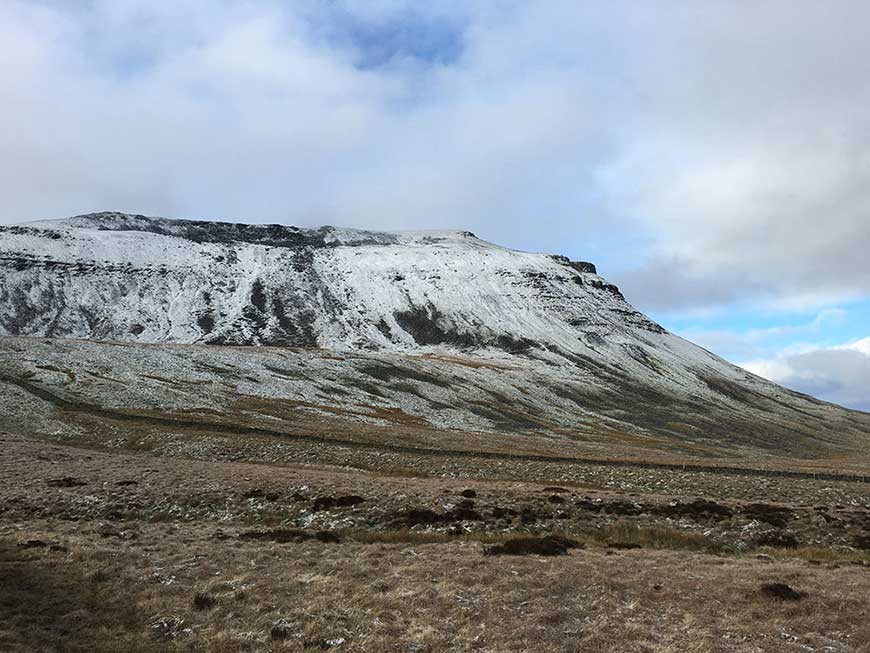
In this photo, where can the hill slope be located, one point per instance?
(453, 332)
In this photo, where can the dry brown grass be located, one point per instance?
(441, 596)
(379, 588)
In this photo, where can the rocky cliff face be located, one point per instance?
(583, 351)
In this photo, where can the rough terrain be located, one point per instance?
(230, 437)
(101, 548)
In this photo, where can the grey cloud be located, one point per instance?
(665, 284)
(731, 140)
(838, 375)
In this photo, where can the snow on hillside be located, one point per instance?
(119, 277)
(169, 280)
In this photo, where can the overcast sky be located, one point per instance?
(713, 158)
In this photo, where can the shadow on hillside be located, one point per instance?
(46, 604)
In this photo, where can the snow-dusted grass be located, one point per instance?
(518, 404)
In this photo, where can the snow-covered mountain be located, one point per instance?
(112, 276)
(119, 277)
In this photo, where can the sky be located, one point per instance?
(712, 158)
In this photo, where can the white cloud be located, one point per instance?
(840, 374)
(861, 346)
(732, 140)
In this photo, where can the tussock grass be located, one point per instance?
(820, 555)
(654, 537)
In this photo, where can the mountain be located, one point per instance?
(455, 333)
(111, 276)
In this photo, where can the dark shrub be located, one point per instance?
(280, 629)
(782, 592)
(349, 500)
(66, 481)
(774, 515)
(203, 601)
(550, 545)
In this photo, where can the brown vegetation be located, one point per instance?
(112, 549)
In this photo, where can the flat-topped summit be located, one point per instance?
(130, 277)
(215, 231)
